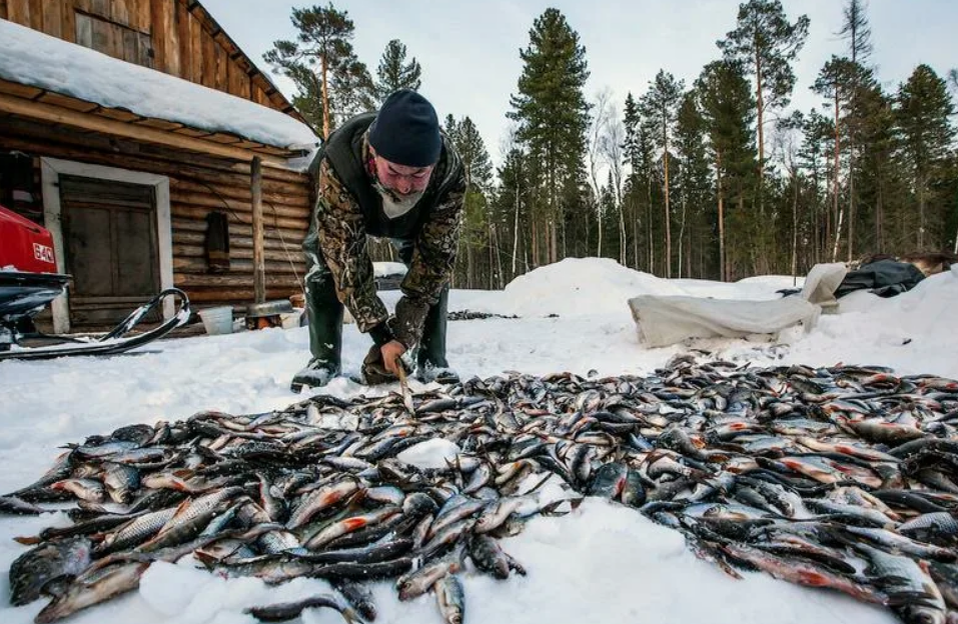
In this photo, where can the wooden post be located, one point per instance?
(259, 262)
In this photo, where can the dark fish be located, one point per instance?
(32, 570)
(291, 610)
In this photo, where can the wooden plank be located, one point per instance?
(55, 114)
(101, 8)
(68, 24)
(19, 90)
(18, 12)
(145, 18)
(282, 198)
(55, 99)
(222, 83)
(3, 9)
(184, 40)
(159, 20)
(193, 132)
(131, 46)
(119, 114)
(240, 206)
(244, 90)
(237, 268)
(133, 10)
(53, 19)
(120, 12)
(196, 51)
(144, 48)
(209, 61)
(102, 35)
(259, 96)
(84, 30)
(36, 15)
(173, 39)
(224, 138)
(197, 236)
(160, 124)
(194, 212)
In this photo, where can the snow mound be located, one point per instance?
(581, 286)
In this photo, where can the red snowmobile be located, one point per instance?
(29, 281)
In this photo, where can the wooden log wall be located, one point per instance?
(177, 37)
(198, 185)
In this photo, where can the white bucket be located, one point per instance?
(218, 320)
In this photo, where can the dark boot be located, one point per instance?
(325, 314)
(431, 359)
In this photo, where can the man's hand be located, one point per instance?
(381, 364)
(391, 352)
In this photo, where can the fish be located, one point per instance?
(838, 477)
(282, 612)
(34, 569)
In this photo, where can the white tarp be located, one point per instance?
(34, 58)
(665, 320)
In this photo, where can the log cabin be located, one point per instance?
(155, 151)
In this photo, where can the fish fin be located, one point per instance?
(28, 541)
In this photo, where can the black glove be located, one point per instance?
(374, 369)
(406, 326)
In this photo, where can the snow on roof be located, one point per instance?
(33, 58)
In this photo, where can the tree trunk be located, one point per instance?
(668, 216)
(838, 213)
(921, 211)
(515, 233)
(795, 225)
(325, 71)
(681, 234)
(635, 236)
(879, 214)
(649, 227)
(723, 269)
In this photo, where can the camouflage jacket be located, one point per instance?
(344, 217)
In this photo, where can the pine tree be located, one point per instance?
(835, 81)
(478, 231)
(729, 112)
(857, 32)
(324, 40)
(659, 106)
(395, 73)
(924, 108)
(766, 43)
(553, 115)
(693, 178)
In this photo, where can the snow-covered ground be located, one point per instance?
(603, 563)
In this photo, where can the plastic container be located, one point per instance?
(218, 320)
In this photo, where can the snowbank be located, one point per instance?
(33, 58)
(580, 286)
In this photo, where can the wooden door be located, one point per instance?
(109, 232)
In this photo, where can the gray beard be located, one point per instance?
(395, 205)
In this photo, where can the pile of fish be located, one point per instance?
(844, 478)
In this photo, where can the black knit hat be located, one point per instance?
(406, 130)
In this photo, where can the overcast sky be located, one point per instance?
(469, 50)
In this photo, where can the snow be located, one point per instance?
(601, 563)
(33, 58)
(386, 269)
(430, 454)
